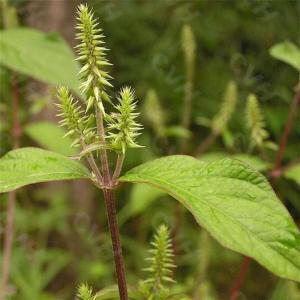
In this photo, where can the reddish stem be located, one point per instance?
(9, 226)
(287, 130)
(205, 144)
(116, 243)
(111, 211)
(240, 278)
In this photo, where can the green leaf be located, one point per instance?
(45, 57)
(287, 52)
(32, 165)
(293, 173)
(253, 161)
(234, 203)
(286, 290)
(50, 136)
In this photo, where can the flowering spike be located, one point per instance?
(72, 117)
(93, 58)
(161, 260)
(188, 44)
(123, 129)
(256, 124)
(222, 118)
(85, 292)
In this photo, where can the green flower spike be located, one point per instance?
(122, 127)
(161, 261)
(73, 117)
(226, 111)
(256, 124)
(92, 55)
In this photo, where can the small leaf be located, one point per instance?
(45, 57)
(293, 173)
(50, 136)
(234, 203)
(32, 165)
(287, 52)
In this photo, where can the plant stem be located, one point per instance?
(9, 226)
(240, 278)
(103, 152)
(210, 139)
(118, 169)
(116, 243)
(8, 241)
(111, 212)
(289, 124)
(187, 108)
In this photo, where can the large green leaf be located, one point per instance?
(293, 173)
(50, 136)
(234, 203)
(43, 56)
(31, 165)
(288, 53)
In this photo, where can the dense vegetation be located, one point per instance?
(216, 80)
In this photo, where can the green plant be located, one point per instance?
(160, 269)
(228, 198)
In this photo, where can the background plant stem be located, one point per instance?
(204, 146)
(240, 278)
(10, 219)
(289, 124)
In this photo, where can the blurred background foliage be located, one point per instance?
(61, 236)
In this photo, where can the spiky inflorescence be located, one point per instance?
(220, 121)
(153, 112)
(122, 127)
(85, 292)
(188, 44)
(161, 261)
(93, 58)
(255, 121)
(73, 117)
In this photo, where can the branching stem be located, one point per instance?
(103, 152)
(118, 169)
(111, 211)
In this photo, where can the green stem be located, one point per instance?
(118, 169)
